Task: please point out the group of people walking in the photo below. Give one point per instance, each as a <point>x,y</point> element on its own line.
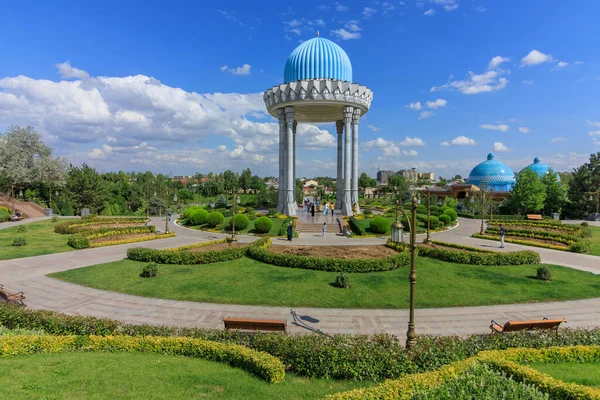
<point>312,207</point>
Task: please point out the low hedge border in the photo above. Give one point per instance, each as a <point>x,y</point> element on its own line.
<point>555,236</point>
<point>545,224</point>
<point>475,257</point>
<point>178,256</point>
<point>461,247</point>
<point>357,357</point>
<point>81,240</point>
<point>201,244</point>
<point>133,240</point>
<point>258,363</point>
<point>503,360</point>
<point>74,226</point>
<point>260,252</point>
<point>523,242</point>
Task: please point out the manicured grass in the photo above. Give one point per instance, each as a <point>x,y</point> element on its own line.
<point>246,281</point>
<point>146,376</point>
<point>595,239</point>
<point>582,373</point>
<point>277,222</point>
<point>40,237</point>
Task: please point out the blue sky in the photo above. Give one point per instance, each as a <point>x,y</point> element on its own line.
<point>177,87</point>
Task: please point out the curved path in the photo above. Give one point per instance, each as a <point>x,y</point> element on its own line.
<point>28,275</point>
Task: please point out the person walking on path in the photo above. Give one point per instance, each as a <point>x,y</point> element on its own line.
<point>312,209</point>
<point>326,209</point>
<point>324,228</point>
<point>502,233</point>
<point>332,210</point>
<point>290,231</point>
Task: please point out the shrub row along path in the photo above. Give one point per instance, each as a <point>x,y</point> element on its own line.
<point>28,275</point>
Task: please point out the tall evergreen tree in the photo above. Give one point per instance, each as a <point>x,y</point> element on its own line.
<point>556,193</point>
<point>585,179</point>
<point>528,194</point>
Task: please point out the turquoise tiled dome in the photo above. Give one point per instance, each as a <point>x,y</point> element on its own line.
<point>318,58</point>
<point>539,167</point>
<point>497,175</point>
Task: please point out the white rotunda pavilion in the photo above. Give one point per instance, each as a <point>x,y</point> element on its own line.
<point>318,88</point>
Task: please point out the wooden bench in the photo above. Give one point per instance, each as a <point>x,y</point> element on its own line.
<point>534,216</point>
<point>514,326</point>
<point>249,324</point>
<point>7,296</point>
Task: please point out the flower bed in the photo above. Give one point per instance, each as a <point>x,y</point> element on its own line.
<point>85,239</point>
<point>77,225</point>
<point>525,242</point>
<point>259,363</point>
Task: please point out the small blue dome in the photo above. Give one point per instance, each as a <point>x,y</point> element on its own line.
<point>497,175</point>
<point>539,167</point>
<point>318,58</point>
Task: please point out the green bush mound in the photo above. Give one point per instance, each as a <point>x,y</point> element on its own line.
<point>175,256</point>
<point>263,225</point>
<point>259,363</point>
<point>356,228</point>
<point>197,217</point>
<point>445,219</point>
<point>260,252</point>
<point>19,241</point>
<point>359,357</point>
<point>241,222</point>
<point>451,213</point>
<point>215,218</point>
<point>379,225</point>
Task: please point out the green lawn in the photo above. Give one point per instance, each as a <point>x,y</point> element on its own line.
<point>582,373</point>
<point>146,376</point>
<point>595,239</point>
<point>277,222</point>
<point>40,237</point>
<point>246,281</point>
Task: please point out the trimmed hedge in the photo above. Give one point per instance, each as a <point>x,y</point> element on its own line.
<point>555,236</point>
<point>445,219</point>
<point>558,225</point>
<point>360,357</point>
<point>180,256</point>
<point>259,251</point>
<point>74,226</point>
<point>355,227</point>
<point>258,363</point>
<point>133,240</point>
<point>241,222</point>
<point>197,216</point>
<point>82,239</point>
<point>215,218</point>
<point>379,225</point>
<point>263,225</point>
<point>451,213</point>
<point>518,241</point>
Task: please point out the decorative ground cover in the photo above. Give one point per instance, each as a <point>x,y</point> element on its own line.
<point>247,281</point>
<point>587,374</point>
<point>147,376</point>
<point>595,240</point>
<point>40,238</point>
<point>343,252</point>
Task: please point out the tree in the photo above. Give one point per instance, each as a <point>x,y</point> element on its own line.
<point>528,194</point>
<point>52,172</point>
<point>399,186</point>
<point>366,181</point>
<point>556,193</point>
<point>230,181</point>
<point>585,179</point>
<point>246,179</point>
<point>86,188</point>
<point>442,181</point>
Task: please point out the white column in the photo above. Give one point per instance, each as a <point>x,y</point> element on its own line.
<point>289,207</point>
<point>339,126</point>
<point>295,194</point>
<point>347,201</point>
<point>281,120</point>
<point>355,119</point>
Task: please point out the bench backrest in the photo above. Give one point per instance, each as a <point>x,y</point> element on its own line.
<point>534,216</point>
<point>512,326</point>
<point>255,324</point>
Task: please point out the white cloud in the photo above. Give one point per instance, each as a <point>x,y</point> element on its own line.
<point>449,5</point>
<point>414,106</point>
<point>459,141</point>
<point>524,129</point>
<point>436,104</point>
<point>594,133</point>
<point>429,13</point>
<point>66,71</point>
<point>535,57</point>
<point>368,12</point>
<point>488,81</point>
<point>340,7</point>
<point>558,139</point>
<point>410,153</point>
<point>373,128</point>
<point>426,114</point>
<point>562,64</point>
<point>528,82</point>
<point>592,123</point>
<point>496,61</point>
<point>378,143</point>
<point>407,142</point>
<point>243,70</point>
<point>352,26</point>
<point>296,31</point>
<point>345,35</point>
<point>479,9</point>
<point>500,147</point>
<point>499,127</point>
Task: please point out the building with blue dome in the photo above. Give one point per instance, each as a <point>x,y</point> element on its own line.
<point>540,168</point>
<point>493,175</point>
<point>317,88</point>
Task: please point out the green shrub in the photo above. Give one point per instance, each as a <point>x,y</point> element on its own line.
<point>356,228</point>
<point>543,274</point>
<point>451,213</point>
<point>445,219</point>
<point>149,271</point>
<point>241,222</point>
<point>342,281</point>
<point>367,212</point>
<point>433,208</point>
<point>67,209</point>
<point>586,232</point>
<point>379,225</point>
<point>585,224</point>
<point>422,209</point>
<point>221,202</point>
<point>272,212</point>
<point>444,208</point>
<point>78,242</point>
<point>174,256</point>
<point>215,218</point>
<point>55,218</point>
<point>581,246</point>
<point>263,225</point>
<point>434,222</point>
<point>198,217</point>
<point>22,228</point>
<point>248,210</point>
<point>19,241</point>
<point>190,210</point>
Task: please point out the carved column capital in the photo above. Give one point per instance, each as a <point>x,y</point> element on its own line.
<point>348,114</point>
<point>281,115</point>
<point>295,126</point>
<point>339,126</point>
<point>356,116</point>
<point>289,116</point>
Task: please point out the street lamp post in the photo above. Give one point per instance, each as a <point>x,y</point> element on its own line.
<point>397,227</point>
<point>412,276</point>
<point>233,238</point>
<point>167,193</point>
<point>482,208</point>
<point>428,238</point>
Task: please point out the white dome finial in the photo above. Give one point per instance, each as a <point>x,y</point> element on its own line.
<point>318,34</point>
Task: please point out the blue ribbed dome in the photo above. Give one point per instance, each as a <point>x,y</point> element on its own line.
<point>539,167</point>
<point>496,174</point>
<point>318,58</point>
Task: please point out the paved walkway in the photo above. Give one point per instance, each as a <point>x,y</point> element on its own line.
<point>28,275</point>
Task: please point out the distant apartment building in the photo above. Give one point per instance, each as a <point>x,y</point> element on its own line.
<point>382,176</point>
<point>410,174</point>
<point>428,176</point>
